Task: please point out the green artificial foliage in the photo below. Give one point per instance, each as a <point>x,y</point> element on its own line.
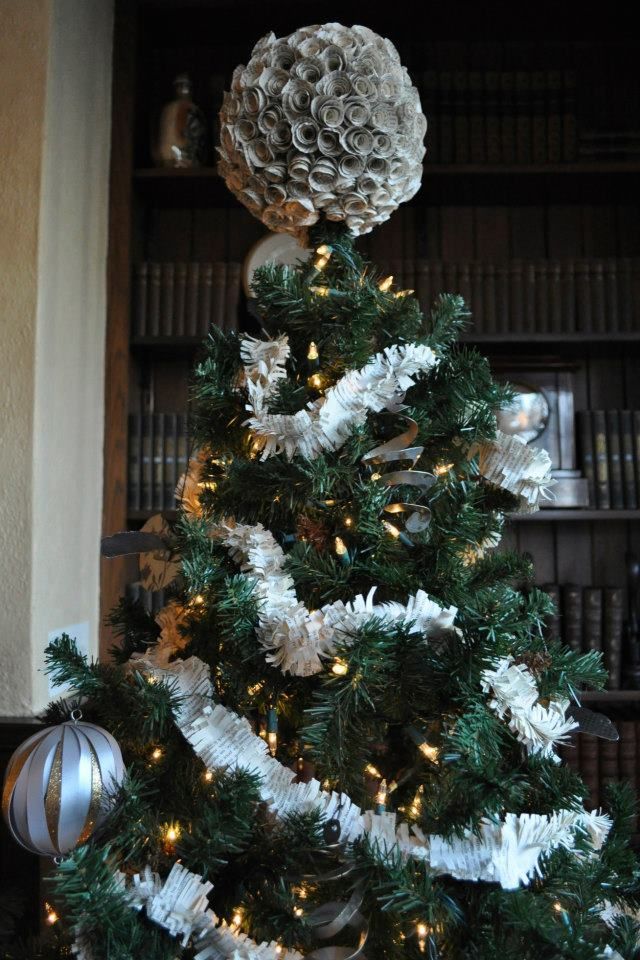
<point>352,726</point>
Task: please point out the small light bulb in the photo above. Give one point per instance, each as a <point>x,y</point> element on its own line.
<point>380,799</point>
<point>385,285</point>
<point>376,476</point>
<point>340,668</point>
<point>298,911</point>
<point>198,600</point>
<point>236,920</point>
<point>428,751</point>
<point>52,916</point>
<point>208,775</point>
<point>557,906</point>
<point>278,950</point>
<point>156,753</point>
<point>171,834</point>
<point>422,930</point>
<point>348,522</point>
<point>389,527</point>
<point>442,468</point>
<point>208,485</point>
<point>313,352</point>
<point>272,742</point>
<point>340,546</point>
<point>320,291</point>
<point>324,250</point>
<point>373,771</point>
<point>403,293</point>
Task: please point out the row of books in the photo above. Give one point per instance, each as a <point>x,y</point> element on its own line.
<point>609,451</point>
<point>590,618</point>
<point>158,450</point>
<point>153,601</point>
<point>503,116</point>
<point>609,145</point>
<point>185,299</point>
<point>601,762</point>
<point>534,296</point>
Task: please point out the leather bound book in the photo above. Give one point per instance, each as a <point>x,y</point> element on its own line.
<point>492,116</point>
<point>628,460</point>
<point>583,296</point>
<point>553,625</point>
<point>556,320</point>
<point>232,299</point>
<point>507,116</point>
<point>153,314</point>
<point>489,298</point>
<point>167,293</point>
<point>445,117</point>
<point>539,123</point>
<point>192,305</point>
<point>180,299</point>
<point>543,312</point>
<point>141,293</point>
<point>569,319</point>
<point>503,312</point>
<point>461,116</point>
<point>613,627</point>
<point>598,309</point>
<point>516,296</point>
<point>217,317</point>
<point>612,313</point>
<point>592,618</point>
<point>524,117</point>
<point>569,122</point>
<point>572,616</point>
<point>587,459</point>
<point>614,449</point>
<point>590,768</point>
<point>609,768</point>
<point>627,747</point>
<point>601,459</point>
<point>477,104</point>
<point>554,116</point>
<point>133,464</point>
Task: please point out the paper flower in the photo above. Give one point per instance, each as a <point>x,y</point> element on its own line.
<point>510,463</point>
<point>324,93</point>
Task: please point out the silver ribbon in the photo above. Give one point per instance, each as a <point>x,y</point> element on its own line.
<point>399,448</point>
<point>329,919</point>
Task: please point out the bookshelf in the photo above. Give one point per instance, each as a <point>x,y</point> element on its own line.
<point>583,210</point>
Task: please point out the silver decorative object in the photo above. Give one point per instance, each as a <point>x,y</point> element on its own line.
<point>324,122</point>
<point>57,785</point>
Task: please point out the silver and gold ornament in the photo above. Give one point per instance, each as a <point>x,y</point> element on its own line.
<point>57,785</point>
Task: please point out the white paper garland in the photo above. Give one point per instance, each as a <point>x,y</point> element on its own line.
<point>326,423</point>
<point>515,693</point>
<point>508,852</point>
<point>297,639</point>
<point>523,470</point>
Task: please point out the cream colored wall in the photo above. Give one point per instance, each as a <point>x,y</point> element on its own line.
<point>55,66</point>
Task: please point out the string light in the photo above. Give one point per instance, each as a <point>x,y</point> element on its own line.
<point>389,527</point>
<point>442,468</point>
<point>208,776</point>
<point>348,522</point>
<point>340,668</point>
<point>376,476</point>
<point>278,950</point>
<point>156,753</point>
<point>236,919</point>
<point>298,912</point>
<point>320,291</point>
<point>52,917</point>
<point>557,906</point>
<point>255,689</point>
<point>272,730</point>
<point>385,285</point>
<point>416,805</point>
<point>403,293</point>
<point>427,750</point>
<point>380,799</point>
<point>422,930</point>
<point>313,351</point>
<point>373,771</point>
<point>341,551</point>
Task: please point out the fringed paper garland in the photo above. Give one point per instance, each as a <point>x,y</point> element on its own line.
<point>509,852</point>
<point>296,639</point>
<point>327,422</point>
<point>523,470</point>
<point>515,693</point>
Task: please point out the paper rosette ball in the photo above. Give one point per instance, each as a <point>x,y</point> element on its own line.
<point>324,122</point>
<point>56,786</point>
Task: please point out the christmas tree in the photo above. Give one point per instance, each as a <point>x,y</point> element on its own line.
<point>341,733</point>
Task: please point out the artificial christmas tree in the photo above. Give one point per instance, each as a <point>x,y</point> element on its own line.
<point>341,733</point>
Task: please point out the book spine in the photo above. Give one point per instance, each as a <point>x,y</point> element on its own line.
<point>153,316</point>
<point>569,125</point>
<point>592,618</point>
<point>461,116</point>
<point>167,275</point>
<point>492,117</point>
<point>625,296</point>
<point>146,462</point>
<point>553,623</point>
<point>590,768</point>
<point>635,293</point>
<point>572,616</point>
<point>139,325</point>
<point>516,296</point>
<point>507,117</point>
<point>529,278</point>
<point>489,298</point>
<point>628,460</point>
<point>446,120</point>
<point>170,463</point>
<point>587,459</point>
<point>615,460</point>
<point>180,303</point>
<point>555,297</point>
<point>554,116</point>
<point>583,296</point>
<point>539,123</point>
<point>635,417</point>
<point>598,311</point>
<point>601,459</point>
<point>542,318</point>
<point>523,117</point>
<point>182,445</point>
<point>569,298</point>
<point>613,626</point>
<point>432,109</point>
<point>502,298</point>
<point>437,279</point>
<point>158,462</point>
<point>133,492</point>
<point>464,282</point>
<point>612,312</point>
<point>192,306</point>
<point>477,295</point>
<point>477,138</point>
<point>423,286</point>
<point>205,298</point>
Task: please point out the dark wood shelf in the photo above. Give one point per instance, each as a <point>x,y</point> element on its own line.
<point>610,696</point>
<point>578,513</point>
<point>540,339</point>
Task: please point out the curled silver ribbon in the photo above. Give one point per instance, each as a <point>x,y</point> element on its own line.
<point>399,448</point>
<point>329,919</point>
